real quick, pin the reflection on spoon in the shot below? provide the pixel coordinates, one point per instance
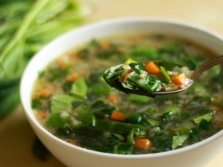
(153, 78)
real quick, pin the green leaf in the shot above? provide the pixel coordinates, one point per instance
(58, 120)
(14, 64)
(84, 116)
(36, 8)
(119, 127)
(50, 11)
(22, 34)
(153, 122)
(149, 83)
(138, 99)
(61, 102)
(178, 141)
(79, 88)
(130, 137)
(100, 89)
(163, 75)
(135, 117)
(123, 149)
(140, 53)
(118, 136)
(206, 117)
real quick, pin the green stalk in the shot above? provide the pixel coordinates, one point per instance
(37, 7)
(23, 36)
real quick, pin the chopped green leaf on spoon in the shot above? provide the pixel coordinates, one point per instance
(146, 78)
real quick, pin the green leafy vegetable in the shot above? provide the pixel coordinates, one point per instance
(178, 141)
(25, 27)
(138, 99)
(119, 127)
(206, 117)
(146, 77)
(140, 53)
(61, 103)
(123, 149)
(164, 76)
(58, 120)
(79, 88)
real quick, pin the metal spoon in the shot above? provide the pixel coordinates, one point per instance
(196, 73)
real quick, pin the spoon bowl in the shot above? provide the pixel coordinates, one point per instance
(196, 73)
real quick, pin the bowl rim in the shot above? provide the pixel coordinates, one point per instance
(30, 116)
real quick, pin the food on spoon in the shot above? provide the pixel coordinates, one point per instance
(148, 76)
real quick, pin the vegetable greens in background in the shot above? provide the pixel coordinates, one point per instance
(25, 27)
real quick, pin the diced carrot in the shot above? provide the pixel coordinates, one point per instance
(44, 92)
(142, 143)
(178, 79)
(124, 76)
(73, 76)
(112, 99)
(117, 116)
(40, 115)
(72, 142)
(104, 45)
(61, 63)
(152, 68)
(72, 56)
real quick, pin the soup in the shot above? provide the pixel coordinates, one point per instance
(72, 101)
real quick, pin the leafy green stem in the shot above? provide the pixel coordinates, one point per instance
(37, 7)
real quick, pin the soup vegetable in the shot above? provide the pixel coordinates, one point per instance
(148, 76)
(72, 100)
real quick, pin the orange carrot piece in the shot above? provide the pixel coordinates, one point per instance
(73, 76)
(72, 56)
(72, 142)
(44, 92)
(124, 76)
(40, 115)
(117, 116)
(142, 143)
(104, 45)
(152, 68)
(61, 63)
(112, 99)
(178, 79)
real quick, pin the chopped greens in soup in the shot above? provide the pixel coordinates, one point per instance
(148, 77)
(71, 99)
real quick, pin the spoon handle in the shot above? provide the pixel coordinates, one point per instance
(198, 71)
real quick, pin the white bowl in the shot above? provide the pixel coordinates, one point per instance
(196, 155)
